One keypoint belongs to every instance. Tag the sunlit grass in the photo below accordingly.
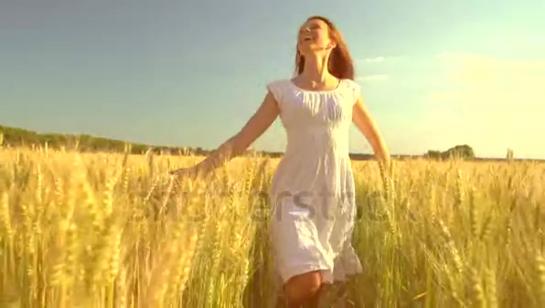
(113, 230)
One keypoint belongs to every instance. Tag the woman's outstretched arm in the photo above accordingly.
(367, 126)
(237, 144)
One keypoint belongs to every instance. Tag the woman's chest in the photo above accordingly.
(319, 108)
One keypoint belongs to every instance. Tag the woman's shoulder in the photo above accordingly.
(277, 82)
(351, 82)
(277, 87)
(353, 86)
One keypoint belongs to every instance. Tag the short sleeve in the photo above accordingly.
(356, 91)
(275, 87)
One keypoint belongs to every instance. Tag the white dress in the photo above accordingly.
(312, 191)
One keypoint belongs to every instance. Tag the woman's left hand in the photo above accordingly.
(184, 172)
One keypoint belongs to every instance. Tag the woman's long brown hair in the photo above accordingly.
(340, 62)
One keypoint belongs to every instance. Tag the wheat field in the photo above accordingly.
(113, 230)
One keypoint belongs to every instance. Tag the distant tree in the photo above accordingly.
(457, 152)
(433, 154)
(15, 137)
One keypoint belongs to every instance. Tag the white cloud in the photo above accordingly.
(375, 59)
(375, 77)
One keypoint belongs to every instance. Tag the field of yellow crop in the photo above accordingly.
(113, 230)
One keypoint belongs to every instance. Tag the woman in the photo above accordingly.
(312, 191)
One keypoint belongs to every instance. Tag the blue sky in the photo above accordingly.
(434, 74)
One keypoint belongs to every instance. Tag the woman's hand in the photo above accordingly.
(388, 165)
(190, 172)
(386, 173)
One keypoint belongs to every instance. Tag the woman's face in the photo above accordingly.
(313, 37)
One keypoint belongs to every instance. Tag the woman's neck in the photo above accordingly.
(316, 69)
